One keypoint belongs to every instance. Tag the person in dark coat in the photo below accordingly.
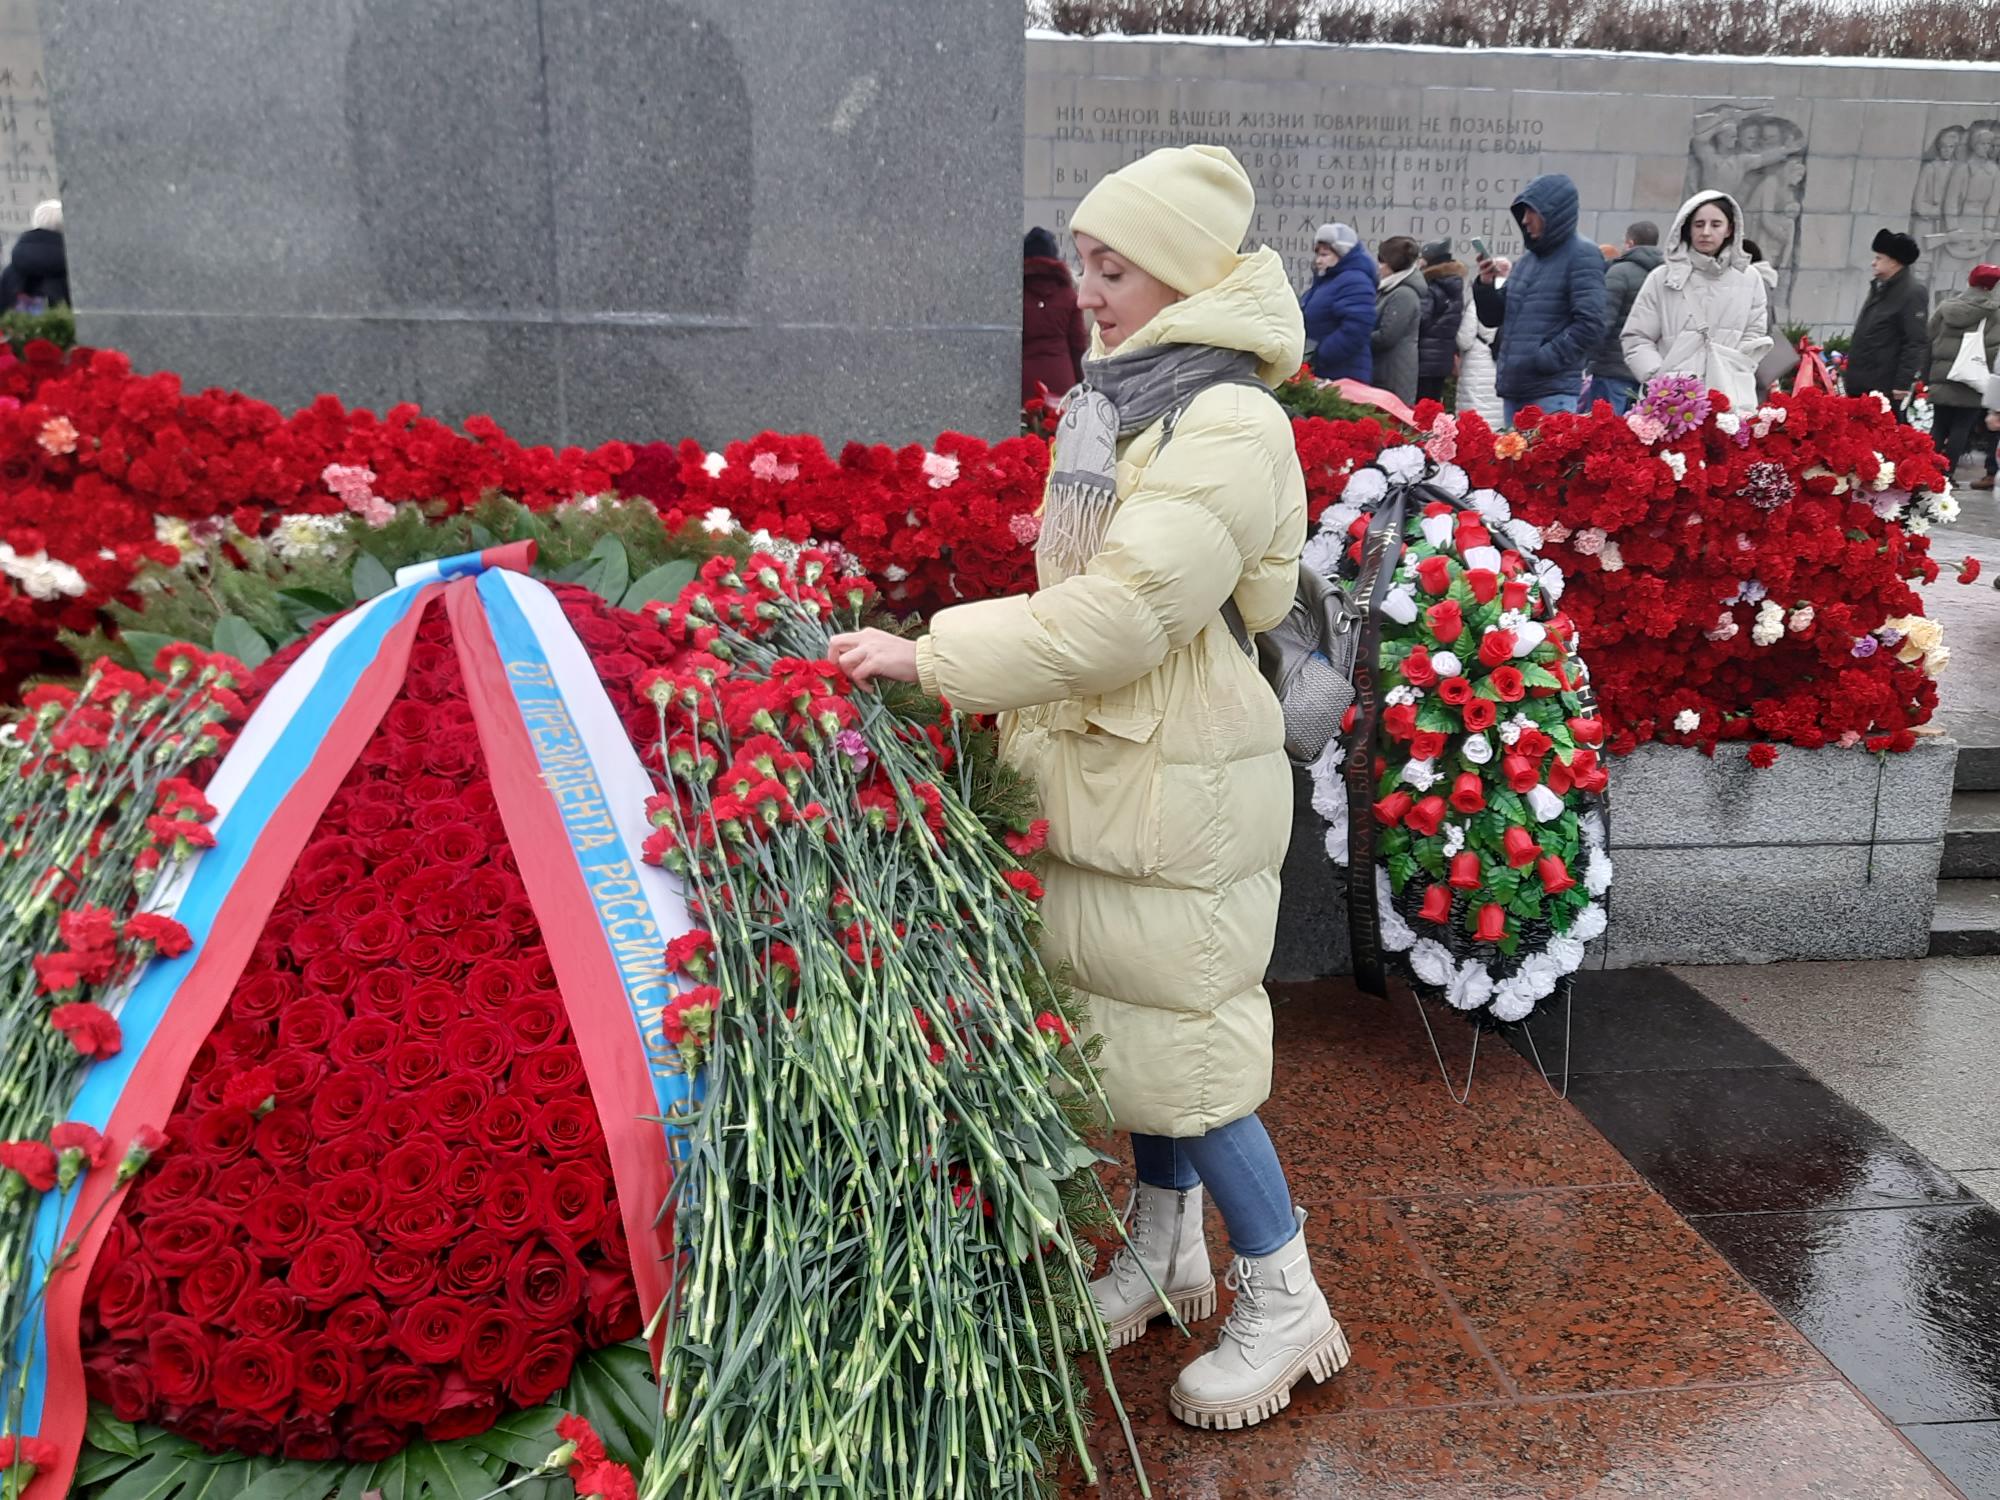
(1891, 344)
(1551, 312)
(1339, 306)
(1610, 377)
(1052, 334)
(1959, 408)
(1399, 315)
(1444, 310)
(37, 274)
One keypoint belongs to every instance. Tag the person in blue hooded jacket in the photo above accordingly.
(1339, 306)
(1551, 312)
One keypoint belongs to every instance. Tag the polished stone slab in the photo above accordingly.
(1905, 1302)
(1637, 1020)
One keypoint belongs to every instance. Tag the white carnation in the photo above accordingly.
(1589, 924)
(1800, 620)
(1511, 1000)
(715, 463)
(1687, 721)
(1365, 489)
(1567, 952)
(1611, 559)
(1430, 962)
(1526, 538)
(1452, 481)
(1597, 873)
(1492, 507)
(1471, 987)
(1323, 552)
(718, 522)
(1550, 577)
(1728, 423)
(1338, 517)
(1592, 826)
(1406, 464)
(1886, 476)
(1677, 462)
(1770, 626)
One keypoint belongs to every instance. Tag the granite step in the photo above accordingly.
(1967, 923)
(1978, 736)
(1972, 837)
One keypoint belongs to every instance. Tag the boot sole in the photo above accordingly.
(1323, 1361)
(1189, 1307)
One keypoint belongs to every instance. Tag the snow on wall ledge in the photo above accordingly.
(1435, 142)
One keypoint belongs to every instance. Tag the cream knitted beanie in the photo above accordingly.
(1179, 214)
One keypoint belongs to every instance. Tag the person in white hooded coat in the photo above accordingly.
(1706, 312)
(1476, 390)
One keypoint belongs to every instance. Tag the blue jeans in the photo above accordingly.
(1620, 393)
(1240, 1167)
(1512, 409)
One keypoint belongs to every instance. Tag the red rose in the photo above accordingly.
(345, 1100)
(325, 1373)
(430, 957)
(465, 1176)
(365, 1041)
(1399, 721)
(412, 1065)
(1587, 731)
(1514, 594)
(1492, 923)
(461, 844)
(610, 1307)
(403, 1275)
(1434, 573)
(175, 1182)
(1508, 684)
(210, 1291)
(420, 1224)
(1496, 647)
(477, 1045)
(1426, 817)
(496, 985)
(358, 1324)
(240, 1183)
(1455, 690)
(402, 1393)
(278, 1222)
(1446, 622)
(454, 1104)
(543, 1368)
(1392, 809)
(181, 1353)
(346, 1153)
(1426, 744)
(1480, 714)
(347, 1199)
(253, 1374)
(1534, 744)
(1520, 847)
(475, 1265)
(331, 1267)
(295, 1073)
(127, 1388)
(404, 1117)
(315, 935)
(503, 1125)
(573, 1194)
(371, 1438)
(1483, 582)
(310, 1023)
(381, 992)
(412, 1170)
(544, 1283)
(1468, 793)
(568, 1127)
(1437, 904)
(431, 1005)
(1521, 774)
(1417, 668)
(1465, 872)
(494, 1341)
(431, 1331)
(284, 1136)
(535, 1021)
(128, 1297)
(181, 1241)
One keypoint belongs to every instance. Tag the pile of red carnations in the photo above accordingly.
(385, 1207)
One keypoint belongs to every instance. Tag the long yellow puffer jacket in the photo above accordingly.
(1158, 750)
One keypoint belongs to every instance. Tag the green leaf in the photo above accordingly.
(237, 637)
(661, 586)
(445, 1472)
(1402, 869)
(525, 1438)
(482, 538)
(1507, 803)
(1430, 854)
(315, 602)
(144, 645)
(109, 1435)
(613, 1390)
(1527, 903)
(158, 1478)
(371, 577)
(1535, 676)
(298, 1480)
(1437, 717)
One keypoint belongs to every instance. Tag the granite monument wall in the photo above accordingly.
(27, 134)
(1436, 143)
(625, 218)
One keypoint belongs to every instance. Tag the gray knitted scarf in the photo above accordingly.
(1119, 396)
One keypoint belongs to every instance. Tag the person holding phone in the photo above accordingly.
(1551, 313)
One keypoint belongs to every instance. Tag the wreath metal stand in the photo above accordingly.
(1463, 1096)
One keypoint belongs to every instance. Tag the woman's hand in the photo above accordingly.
(865, 655)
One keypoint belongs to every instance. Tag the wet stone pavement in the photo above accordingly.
(1704, 1275)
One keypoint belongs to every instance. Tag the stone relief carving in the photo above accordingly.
(1955, 207)
(1758, 158)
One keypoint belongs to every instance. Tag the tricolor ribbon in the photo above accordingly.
(571, 793)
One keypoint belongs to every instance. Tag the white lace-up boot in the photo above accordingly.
(1163, 1235)
(1279, 1330)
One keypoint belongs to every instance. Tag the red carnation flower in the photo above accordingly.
(92, 1030)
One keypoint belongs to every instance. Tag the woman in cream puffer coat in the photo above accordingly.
(1706, 311)
(1158, 749)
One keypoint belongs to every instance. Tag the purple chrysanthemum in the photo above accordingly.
(1678, 403)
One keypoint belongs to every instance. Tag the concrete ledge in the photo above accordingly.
(1827, 854)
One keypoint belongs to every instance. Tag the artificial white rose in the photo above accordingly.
(1544, 804)
(1528, 637)
(1477, 749)
(1437, 530)
(1447, 663)
(1400, 605)
(1483, 557)
(1421, 774)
